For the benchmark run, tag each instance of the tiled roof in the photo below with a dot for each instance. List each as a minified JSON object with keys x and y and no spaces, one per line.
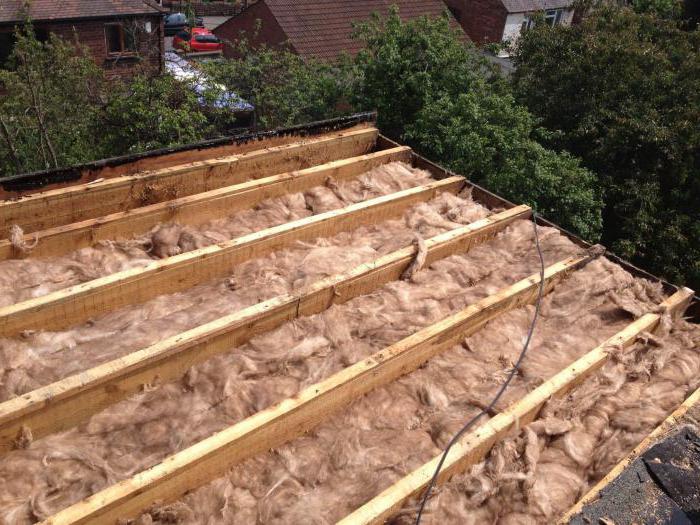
{"x":12,"y":10}
{"x":524,"y":6}
{"x":322,"y":28}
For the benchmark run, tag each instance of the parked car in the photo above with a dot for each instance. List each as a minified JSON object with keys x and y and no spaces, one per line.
{"x":201,"y":40}
{"x":177,"y":22}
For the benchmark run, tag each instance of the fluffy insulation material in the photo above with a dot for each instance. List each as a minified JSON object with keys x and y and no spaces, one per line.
{"x":94,"y":459}
{"x":353,"y":455}
{"x":39,"y":358}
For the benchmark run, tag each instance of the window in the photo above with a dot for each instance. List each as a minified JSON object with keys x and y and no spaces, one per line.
{"x":119,"y":40}
{"x":207,"y":39}
{"x":7,"y":43}
{"x":552,"y":17}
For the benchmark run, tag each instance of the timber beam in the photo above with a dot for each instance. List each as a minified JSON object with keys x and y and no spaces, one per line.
{"x":65,"y":403}
{"x":668,"y":424}
{"x":270,"y":428}
{"x":84,"y":301}
{"x":195,"y":209}
{"x":473,"y":447}
{"x":79,"y":202}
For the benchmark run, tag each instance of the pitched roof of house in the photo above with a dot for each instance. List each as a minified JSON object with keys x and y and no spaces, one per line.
{"x":524,"y":6}
{"x":13,"y":10}
{"x":323,"y":29}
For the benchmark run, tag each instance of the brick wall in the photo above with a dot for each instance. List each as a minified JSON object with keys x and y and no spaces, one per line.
{"x":91,"y":34}
{"x":482,"y":20}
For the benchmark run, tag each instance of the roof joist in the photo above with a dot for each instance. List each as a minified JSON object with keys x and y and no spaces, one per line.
{"x":290,"y":418}
{"x":84,"y":301}
{"x":86,"y":201}
{"x":672,"y":421}
{"x":60,"y":405}
{"x":197,"y":208}
{"x":473,"y":447}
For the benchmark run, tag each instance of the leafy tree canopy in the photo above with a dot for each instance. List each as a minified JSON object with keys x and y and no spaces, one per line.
{"x":663,"y":8}
{"x":284,"y":88}
{"x":53,"y":91}
{"x":441,"y":96}
{"x":150,"y":113}
{"x":622,"y":92}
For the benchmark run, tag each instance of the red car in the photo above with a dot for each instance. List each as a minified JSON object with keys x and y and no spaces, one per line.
{"x":200,"y":41}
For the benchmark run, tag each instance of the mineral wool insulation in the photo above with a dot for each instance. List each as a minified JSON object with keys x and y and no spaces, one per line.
{"x":352,"y":456}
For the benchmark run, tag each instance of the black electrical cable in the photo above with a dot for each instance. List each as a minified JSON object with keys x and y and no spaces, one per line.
{"x":511,"y":374}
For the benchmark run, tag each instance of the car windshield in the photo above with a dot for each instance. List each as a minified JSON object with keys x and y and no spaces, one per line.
{"x":176,"y":18}
{"x":209,"y":39}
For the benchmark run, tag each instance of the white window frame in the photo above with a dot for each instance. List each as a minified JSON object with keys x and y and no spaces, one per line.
{"x":552,"y":17}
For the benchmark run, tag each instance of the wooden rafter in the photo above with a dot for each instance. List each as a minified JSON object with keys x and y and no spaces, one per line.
{"x":84,"y":301}
{"x":198,"y":208}
{"x":85,"y":201}
{"x":474,"y":446}
{"x":672,"y":421}
{"x":270,"y":428}
{"x":60,"y":405}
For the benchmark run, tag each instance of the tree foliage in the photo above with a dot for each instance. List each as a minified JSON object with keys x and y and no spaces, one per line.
{"x":284,"y":88}
{"x":488,"y":137}
{"x":663,"y":8}
{"x":59,"y":110}
{"x":622,"y":92}
{"x":47,"y":114}
{"x":442,"y":97}
{"x":149,"y":113}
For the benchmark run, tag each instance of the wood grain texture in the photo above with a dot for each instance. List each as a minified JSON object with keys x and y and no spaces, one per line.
{"x":65,"y":403}
{"x":474,"y":446}
{"x":292,"y":417}
{"x":195,"y":209}
{"x":80,"y":202}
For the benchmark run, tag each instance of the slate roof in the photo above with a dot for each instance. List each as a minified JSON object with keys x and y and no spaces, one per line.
{"x":524,"y":6}
{"x":322,"y":28}
{"x":11,"y":10}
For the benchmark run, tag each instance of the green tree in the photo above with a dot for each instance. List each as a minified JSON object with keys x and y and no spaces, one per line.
{"x":151,"y":112}
{"x":403,"y":63}
{"x":488,"y":137}
{"x":663,"y":8}
{"x":441,"y":96}
{"x":53,"y":91}
{"x":284,"y":88}
{"x":622,"y":92}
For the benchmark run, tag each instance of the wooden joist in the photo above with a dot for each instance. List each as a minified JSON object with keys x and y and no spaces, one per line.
{"x":671,"y":422}
{"x":474,"y":446}
{"x":84,"y":301}
{"x":196,"y":209}
{"x":85,"y":201}
{"x":290,"y":418}
{"x":64,"y":403}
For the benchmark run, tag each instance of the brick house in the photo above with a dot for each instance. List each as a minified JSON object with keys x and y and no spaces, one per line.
{"x":495,"y":21}
{"x":316,"y":28}
{"x":121,"y":35}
